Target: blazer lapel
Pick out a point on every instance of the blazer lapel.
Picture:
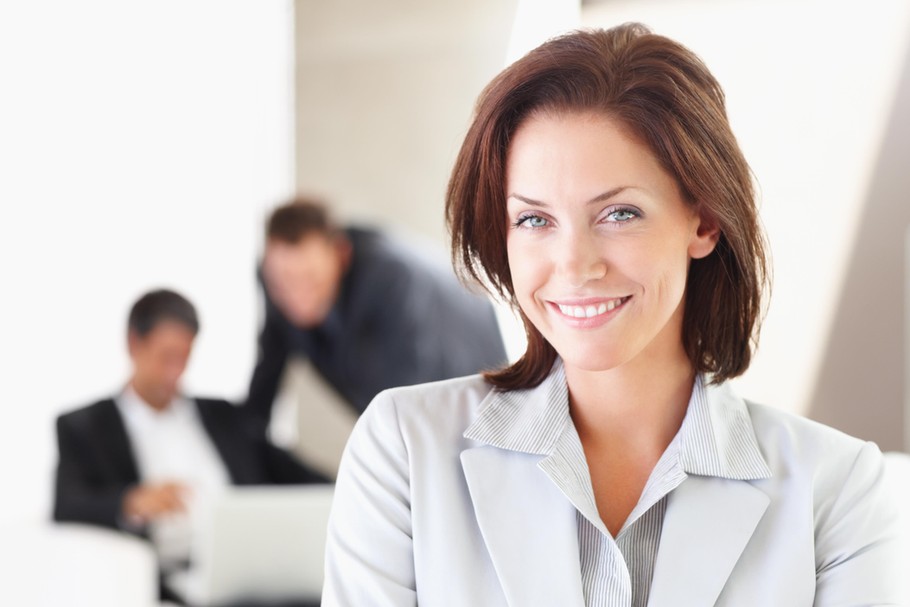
(528, 526)
(527, 523)
(712, 515)
(240, 463)
(117, 448)
(707, 525)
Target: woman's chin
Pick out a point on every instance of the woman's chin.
(595, 361)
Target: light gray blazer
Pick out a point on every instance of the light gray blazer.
(424, 515)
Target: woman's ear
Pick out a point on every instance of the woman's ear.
(705, 238)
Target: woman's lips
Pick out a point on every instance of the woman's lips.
(590, 311)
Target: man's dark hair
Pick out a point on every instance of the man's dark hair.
(157, 306)
(298, 218)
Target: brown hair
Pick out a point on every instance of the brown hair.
(665, 96)
(300, 217)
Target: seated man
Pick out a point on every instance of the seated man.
(144, 460)
(368, 312)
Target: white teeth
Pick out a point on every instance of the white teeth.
(590, 311)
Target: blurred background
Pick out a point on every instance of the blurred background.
(143, 143)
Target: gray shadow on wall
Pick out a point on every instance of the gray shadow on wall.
(860, 385)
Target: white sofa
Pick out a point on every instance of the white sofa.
(897, 468)
(45, 564)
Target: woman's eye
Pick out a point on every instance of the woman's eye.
(622, 215)
(533, 221)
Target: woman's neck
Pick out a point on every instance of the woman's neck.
(639, 405)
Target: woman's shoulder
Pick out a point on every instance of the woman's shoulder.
(794, 433)
(798, 447)
(858, 530)
(440, 408)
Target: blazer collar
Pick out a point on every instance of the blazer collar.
(529, 526)
(716, 436)
(530, 421)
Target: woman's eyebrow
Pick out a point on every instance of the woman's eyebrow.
(599, 198)
(526, 200)
(609, 194)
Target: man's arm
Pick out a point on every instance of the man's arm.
(270, 363)
(285, 469)
(435, 329)
(280, 466)
(80, 494)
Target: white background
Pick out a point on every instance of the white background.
(141, 144)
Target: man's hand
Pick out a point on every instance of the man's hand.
(144, 503)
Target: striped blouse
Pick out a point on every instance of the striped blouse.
(617, 572)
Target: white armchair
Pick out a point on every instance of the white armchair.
(76, 565)
(897, 469)
(897, 465)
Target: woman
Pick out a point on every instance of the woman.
(601, 191)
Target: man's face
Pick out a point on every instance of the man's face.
(303, 278)
(159, 360)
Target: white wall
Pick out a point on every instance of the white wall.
(142, 143)
(810, 86)
(385, 93)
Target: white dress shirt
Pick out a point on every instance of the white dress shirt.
(172, 445)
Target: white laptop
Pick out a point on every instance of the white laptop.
(259, 543)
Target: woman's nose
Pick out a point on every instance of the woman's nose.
(582, 260)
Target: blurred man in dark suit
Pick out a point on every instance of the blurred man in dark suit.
(369, 312)
(144, 460)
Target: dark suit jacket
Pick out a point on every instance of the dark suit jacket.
(97, 464)
(401, 318)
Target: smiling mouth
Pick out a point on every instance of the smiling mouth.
(592, 310)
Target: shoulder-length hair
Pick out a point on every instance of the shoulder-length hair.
(665, 95)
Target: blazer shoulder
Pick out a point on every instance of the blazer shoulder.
(441, 407)
(214, 403)
(430, 397)
(795, 446)
(87, 414)
(221, 411)
(772, 424)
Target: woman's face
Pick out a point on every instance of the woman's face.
(599, 240)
